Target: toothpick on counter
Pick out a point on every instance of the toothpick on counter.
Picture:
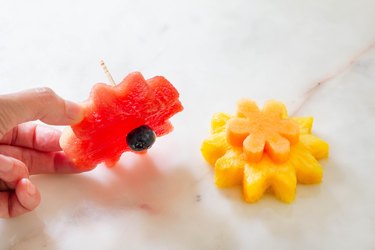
(106, 72)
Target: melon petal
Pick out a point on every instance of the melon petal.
(254, 183)
(305, 124)
(229, 169)
(318, 148)
(214, 147)
(308, 169)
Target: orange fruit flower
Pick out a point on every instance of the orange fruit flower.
(259, 131)
(264, 150)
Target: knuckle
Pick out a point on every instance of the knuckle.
(48, 106)
(6, 118)
(46, 93)
(3, 126)
(26, 159)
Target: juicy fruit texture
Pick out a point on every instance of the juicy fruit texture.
(258, 131)
(264, 170)
(111, 113)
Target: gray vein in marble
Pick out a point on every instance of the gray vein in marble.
(344, 68)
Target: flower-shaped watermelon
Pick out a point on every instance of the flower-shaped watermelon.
(113, 113)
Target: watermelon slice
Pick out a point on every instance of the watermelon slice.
(135, 108)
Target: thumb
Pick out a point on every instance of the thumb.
(37, 104)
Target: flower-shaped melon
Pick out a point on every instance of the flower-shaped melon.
(264, 149)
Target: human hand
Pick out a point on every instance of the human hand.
(27, 148)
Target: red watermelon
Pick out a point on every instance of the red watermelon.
(113, 113)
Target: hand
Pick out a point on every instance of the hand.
(27, 148)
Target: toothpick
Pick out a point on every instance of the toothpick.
(106, 72)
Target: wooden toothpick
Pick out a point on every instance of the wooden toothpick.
(106, 72)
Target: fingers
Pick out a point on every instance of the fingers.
(25, 198)
(12, 170)
(34, 104)
(41, 162)
(33, 136)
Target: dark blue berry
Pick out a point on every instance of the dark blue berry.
(141, 138)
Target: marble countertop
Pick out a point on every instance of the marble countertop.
(318, 57)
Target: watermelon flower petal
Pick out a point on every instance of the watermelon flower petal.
(112, 112)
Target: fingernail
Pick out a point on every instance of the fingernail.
(31, 190)
(6, 164)
(74, 111)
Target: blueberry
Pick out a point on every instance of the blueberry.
(141, 138)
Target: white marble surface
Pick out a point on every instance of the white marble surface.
(214, 52)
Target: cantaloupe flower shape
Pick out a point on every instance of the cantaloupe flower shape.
(261, 131)
(233, 166)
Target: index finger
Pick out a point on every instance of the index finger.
(37, 104)
(33, 136)
(38, 162)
